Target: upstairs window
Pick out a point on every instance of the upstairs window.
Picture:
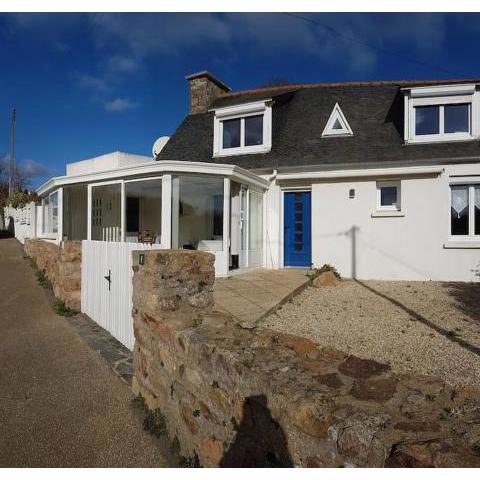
(443, 119)
(442, 114)
(242, 129)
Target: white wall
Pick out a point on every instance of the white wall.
(272, 227)
(403, 248)
(109, 161)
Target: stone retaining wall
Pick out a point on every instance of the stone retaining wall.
(62, 265)
(237, 397)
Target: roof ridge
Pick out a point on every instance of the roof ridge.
(375, 83)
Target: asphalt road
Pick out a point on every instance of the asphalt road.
(60, 403)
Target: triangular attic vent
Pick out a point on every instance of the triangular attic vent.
(337, 124)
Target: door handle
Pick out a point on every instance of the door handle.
(108, 278)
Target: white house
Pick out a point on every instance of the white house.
(380, 179)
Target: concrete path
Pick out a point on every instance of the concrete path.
(251, 296)
(60, 403)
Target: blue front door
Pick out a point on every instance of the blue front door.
(297, 237)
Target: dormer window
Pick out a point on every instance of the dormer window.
(243, 129)
(441, 114)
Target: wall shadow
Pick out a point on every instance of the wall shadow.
(447, 334)
(260, 441)
(467, 296)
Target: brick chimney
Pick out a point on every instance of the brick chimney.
(203, 89)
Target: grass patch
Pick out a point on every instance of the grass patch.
(197, 321)
(42, 279)
(61, 309)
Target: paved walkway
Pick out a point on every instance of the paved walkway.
(251, 296)
(60, 403)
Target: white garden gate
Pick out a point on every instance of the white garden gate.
(107, 285)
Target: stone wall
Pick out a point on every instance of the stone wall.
(238, 397)
(62, 265)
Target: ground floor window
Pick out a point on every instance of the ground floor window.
(50, 214)
(465, 210)
(143, 211)
(388, 195)
(197, 212)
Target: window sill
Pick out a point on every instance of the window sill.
(387, 213)
(462, 244)
(423, 141)
(240, 151)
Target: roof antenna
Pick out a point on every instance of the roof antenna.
(11, 173)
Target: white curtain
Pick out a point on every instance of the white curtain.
(459, 199)
(477, 197)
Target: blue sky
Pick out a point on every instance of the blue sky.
(87, 84)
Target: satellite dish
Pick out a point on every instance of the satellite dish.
(159, 144)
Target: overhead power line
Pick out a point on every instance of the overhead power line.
(371, 46)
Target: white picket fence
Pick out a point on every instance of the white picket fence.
(109, 302)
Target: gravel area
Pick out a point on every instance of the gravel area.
(428, 328)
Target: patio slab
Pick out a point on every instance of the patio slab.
(249, 297)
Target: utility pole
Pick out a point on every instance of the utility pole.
(11, 173)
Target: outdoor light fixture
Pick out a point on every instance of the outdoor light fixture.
(351, 193)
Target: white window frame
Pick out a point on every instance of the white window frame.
(389, 208)
(441, 96)
(241, 112)
(471, 211)
(46, 220)
(337, 114)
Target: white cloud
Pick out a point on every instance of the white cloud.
(120, 105)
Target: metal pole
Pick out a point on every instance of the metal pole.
(11, 176)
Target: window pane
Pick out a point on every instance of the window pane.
(459, 210)
(254, 130)
(456, 118)
(427, 120)
(388, 196)
(231, 133)
(337, 125)
(197, 213)
(143, 206)
(477, 210)
(106, 213)
(50, 219)
(75, 207)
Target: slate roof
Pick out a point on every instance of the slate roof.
(374, 111)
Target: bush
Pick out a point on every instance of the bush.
(20, 199)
